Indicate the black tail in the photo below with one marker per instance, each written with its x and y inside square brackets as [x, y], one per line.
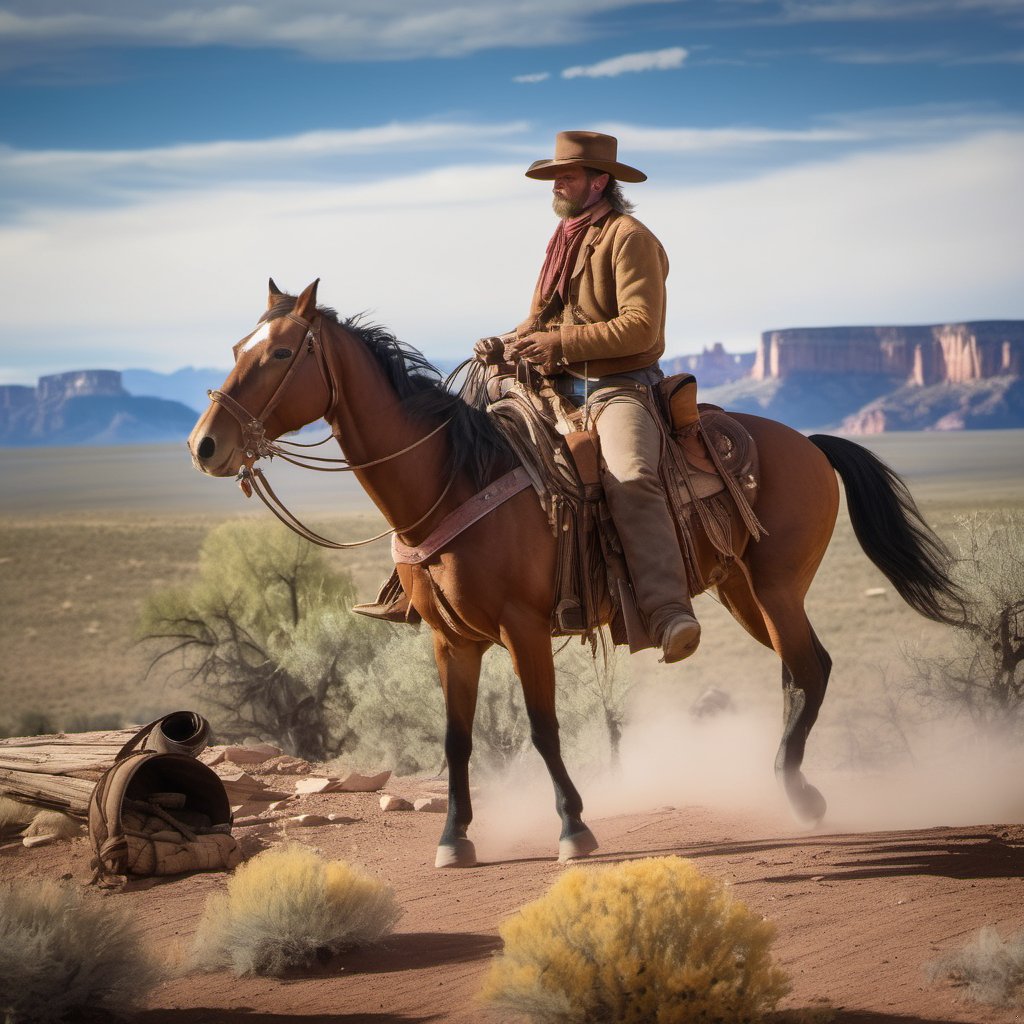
[893, 533]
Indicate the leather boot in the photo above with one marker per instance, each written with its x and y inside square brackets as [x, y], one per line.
[392, 604]
[630, 447]
[680, 638]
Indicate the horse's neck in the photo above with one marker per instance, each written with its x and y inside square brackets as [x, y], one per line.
[371, 423]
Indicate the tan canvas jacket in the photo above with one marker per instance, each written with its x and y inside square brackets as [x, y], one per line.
[614, 319]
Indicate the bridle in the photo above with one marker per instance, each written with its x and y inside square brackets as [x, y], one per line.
[257, 445]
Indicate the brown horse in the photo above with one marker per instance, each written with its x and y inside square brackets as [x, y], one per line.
[420, 451]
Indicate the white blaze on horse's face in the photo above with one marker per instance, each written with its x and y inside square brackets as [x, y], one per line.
[259, 335]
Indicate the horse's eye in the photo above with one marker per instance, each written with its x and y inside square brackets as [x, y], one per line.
[282, 353]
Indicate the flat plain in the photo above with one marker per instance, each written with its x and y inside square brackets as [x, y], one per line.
[913, 857]
[89, 533]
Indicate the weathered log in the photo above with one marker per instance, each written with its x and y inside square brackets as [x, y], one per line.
[59, 792]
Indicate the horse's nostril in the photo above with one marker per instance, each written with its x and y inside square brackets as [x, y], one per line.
[206, 447]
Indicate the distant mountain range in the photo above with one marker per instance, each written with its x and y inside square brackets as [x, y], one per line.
[187, 385]
[853, 380]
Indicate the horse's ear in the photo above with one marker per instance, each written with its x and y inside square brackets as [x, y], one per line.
[274, 293]
[305, 304]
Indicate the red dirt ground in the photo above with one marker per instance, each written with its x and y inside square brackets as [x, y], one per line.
[858, 916]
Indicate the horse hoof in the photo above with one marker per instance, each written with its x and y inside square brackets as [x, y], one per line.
[809, 806]
[460, 854]
[580, 845]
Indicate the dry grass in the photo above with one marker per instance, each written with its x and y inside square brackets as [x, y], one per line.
[14, 816]
[54, 823]
[642, 941]
[990, 969]
[61, 958]
[80, 553]
[287, 908]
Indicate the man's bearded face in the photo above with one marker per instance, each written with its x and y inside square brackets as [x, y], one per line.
[574, 191]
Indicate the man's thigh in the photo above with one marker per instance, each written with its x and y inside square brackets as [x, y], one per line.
[630, 438]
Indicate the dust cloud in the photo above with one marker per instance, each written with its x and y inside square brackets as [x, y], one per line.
[723, 761]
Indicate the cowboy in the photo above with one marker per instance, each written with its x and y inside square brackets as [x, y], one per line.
[595, 332]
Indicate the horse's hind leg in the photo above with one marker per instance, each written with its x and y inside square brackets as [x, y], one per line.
[778, 620]
[806, 666]
[458, 665]
[534, 664]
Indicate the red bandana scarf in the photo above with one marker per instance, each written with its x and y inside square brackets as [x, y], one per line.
[564, 248]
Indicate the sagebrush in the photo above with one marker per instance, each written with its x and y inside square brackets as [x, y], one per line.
[62, 958]
[649, 940]
[288, 907]
[990, 969]
[978, 673]
[267, 635]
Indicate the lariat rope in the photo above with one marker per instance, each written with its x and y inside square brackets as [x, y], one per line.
[258, 446]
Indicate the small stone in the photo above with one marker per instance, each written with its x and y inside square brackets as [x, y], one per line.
[354, 782]
[43, 840]
[256, 754]
[433, 804]
[307, 820]
[315, 784]
[390, 802]
[286, 765]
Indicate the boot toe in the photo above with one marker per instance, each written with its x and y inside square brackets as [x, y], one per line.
[680, 639]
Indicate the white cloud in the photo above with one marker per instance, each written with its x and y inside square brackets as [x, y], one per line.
[917, 233]
[327, 29]
[922, 234]
[652, 60]
[897, 125]
[381, 139]
[539, 76]
[888, 10]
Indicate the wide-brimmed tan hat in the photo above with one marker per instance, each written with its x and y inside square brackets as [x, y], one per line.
[591, 149]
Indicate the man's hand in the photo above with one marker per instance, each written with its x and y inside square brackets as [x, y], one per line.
[544, 350]
[490, 350]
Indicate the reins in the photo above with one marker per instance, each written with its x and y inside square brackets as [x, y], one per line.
[256, 446]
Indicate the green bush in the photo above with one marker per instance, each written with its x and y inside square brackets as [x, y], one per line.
[267, 633]
[288, 907]
[645, 942]
[61, 958]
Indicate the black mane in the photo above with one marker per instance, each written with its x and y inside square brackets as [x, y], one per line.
[478, 447]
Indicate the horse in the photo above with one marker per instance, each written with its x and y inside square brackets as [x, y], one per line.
[421, 451]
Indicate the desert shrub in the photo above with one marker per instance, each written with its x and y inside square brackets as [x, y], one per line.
[33, 723]
[980, 674]
[61, 958]
[989, 968]
[95, 721]
[649, 940]
[14, 815]
[594, 687]
[398, 713]
[267, 634]
[288, 907]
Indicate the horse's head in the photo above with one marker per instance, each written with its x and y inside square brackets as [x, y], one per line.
[279, 383]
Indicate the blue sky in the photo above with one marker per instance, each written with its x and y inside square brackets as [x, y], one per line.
[810, 162]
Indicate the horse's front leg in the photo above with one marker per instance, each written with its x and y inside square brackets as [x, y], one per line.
[458, 665]
[530, 650]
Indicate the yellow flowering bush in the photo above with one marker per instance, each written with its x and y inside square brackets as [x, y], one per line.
[645, 942]
[288, 907]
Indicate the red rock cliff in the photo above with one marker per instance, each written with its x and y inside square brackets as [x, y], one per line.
[921, 355]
